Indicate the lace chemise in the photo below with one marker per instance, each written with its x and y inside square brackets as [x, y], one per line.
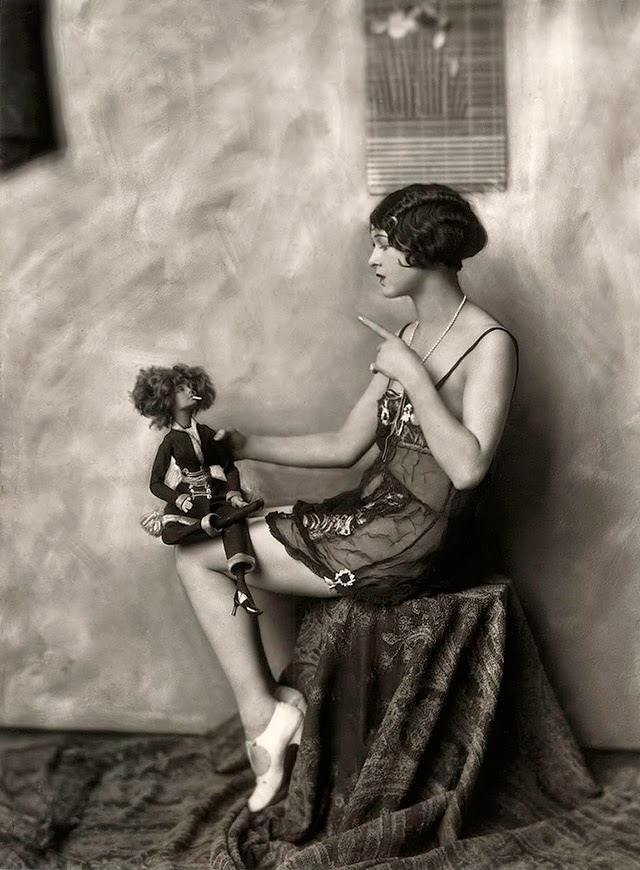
[384, 541]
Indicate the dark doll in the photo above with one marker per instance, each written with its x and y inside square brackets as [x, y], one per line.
[193, 472]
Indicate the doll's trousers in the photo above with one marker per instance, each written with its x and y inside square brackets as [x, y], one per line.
[235, 538]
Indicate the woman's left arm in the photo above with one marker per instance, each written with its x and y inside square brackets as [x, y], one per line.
[463, 448]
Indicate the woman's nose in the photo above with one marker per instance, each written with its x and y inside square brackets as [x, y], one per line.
[373, 259]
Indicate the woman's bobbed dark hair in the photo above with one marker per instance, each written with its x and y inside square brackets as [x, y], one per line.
[431, 224]
[155, 388]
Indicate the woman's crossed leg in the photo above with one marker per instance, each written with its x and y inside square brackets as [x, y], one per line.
[236, 640]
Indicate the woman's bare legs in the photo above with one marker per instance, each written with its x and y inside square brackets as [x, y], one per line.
[235, 639]
[278, 627]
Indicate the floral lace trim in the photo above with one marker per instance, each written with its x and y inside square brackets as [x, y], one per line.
[331, 524]
[406, 427]
[380, 502]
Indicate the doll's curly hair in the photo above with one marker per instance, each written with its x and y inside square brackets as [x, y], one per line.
[155, 388]
[430, 223]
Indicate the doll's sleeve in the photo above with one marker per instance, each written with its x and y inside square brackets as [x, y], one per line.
[160, 466]
[233, 480]
[224, 457]
[233, 475]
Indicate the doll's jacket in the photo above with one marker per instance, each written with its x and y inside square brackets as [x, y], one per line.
[178, 444]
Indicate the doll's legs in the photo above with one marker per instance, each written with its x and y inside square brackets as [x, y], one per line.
[185, 531]
[236, 542]
[240, 561]
[181, 528]
[188, 530]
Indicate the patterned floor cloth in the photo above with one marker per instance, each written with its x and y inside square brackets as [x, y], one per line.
[432, 740]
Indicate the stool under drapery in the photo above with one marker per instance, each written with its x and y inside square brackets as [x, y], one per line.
[432, 740]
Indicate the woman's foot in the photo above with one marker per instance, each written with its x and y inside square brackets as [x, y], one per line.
[267, 754]
[294, 697]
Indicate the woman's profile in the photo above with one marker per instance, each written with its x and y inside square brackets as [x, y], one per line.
[435, 408]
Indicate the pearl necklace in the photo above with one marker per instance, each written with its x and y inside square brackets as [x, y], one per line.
[396, 426]
[446, 330]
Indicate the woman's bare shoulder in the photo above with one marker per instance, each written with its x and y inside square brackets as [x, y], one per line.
[482, 324]
[495, 347]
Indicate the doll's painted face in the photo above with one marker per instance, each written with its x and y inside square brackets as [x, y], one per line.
[396, 277]
[185, 399]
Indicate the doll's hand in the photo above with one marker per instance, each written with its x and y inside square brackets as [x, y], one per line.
[237, 501]
[234, 440]
[184, 502]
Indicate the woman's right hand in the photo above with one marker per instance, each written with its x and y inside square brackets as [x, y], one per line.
[234, 440]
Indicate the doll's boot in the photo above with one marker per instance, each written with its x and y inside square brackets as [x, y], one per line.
[267, 756]
[242, 597]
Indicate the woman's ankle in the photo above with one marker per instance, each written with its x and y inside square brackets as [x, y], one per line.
[257, 715]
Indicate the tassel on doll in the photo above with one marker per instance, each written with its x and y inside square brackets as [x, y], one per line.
[193, 473]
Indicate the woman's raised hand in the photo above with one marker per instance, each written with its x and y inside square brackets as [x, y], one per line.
[234, 440]
[394, 358]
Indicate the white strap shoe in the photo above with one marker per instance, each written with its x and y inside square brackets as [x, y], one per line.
[267, 755]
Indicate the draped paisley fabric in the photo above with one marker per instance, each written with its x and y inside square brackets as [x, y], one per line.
[433, 741]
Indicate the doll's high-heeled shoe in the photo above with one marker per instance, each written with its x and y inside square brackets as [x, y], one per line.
[267, 755]
[241, 599]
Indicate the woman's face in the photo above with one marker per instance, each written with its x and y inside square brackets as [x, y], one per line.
[395, 276]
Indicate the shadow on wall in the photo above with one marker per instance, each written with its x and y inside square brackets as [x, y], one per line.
[522, 471]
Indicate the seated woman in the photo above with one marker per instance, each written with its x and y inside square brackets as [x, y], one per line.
[435, 408]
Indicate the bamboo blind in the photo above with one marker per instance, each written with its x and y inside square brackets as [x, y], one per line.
[435, 96]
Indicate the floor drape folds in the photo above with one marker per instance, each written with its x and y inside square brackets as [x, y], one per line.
[432, 740]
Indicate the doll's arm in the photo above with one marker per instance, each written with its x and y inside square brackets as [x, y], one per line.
[233, 481]
[218, 453]
[160, 466]
[234, 488]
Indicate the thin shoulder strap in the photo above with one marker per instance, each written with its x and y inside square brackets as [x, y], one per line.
[473, 347]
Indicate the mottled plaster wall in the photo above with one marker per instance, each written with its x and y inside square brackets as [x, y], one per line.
[211, 208]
